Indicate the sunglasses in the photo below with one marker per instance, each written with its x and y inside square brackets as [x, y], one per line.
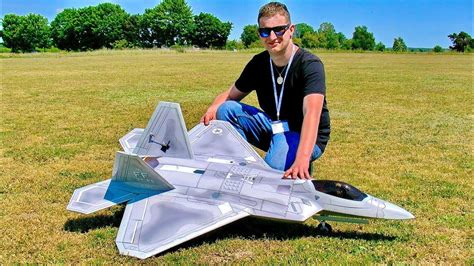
[278, 30]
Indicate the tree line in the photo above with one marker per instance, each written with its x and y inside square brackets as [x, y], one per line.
[107, 25]
[326, 37]
[172, 23]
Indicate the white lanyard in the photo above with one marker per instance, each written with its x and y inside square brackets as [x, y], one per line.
[278, 100]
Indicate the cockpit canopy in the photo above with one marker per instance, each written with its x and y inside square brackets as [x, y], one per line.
[339, 189]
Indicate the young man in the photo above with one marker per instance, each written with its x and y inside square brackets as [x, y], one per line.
[294, 125]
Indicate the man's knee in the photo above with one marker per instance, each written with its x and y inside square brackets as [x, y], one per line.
[227, 109]
[275, 162]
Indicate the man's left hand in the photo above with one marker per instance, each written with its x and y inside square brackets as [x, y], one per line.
[299, 169]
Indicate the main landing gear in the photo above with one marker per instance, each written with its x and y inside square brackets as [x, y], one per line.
[324, 227]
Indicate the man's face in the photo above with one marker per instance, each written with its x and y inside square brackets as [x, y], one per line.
[273, 43]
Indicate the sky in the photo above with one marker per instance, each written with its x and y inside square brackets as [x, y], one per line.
[421, 23]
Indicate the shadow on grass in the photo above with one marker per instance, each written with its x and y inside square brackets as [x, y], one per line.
[247, 228]
[85, 224]
[257, 228]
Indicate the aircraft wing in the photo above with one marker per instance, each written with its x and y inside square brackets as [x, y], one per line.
[153, 224]
[220, 142]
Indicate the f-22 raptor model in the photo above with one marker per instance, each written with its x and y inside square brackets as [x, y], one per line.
[180, 185]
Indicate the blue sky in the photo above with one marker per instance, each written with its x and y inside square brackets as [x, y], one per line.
[421, 23]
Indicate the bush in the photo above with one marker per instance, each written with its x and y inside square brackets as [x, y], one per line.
[234, 45]
[5, 50]
[49, 50]
[437, 49]
[256, 44]
[298, 41]
[380, 47]
[121, 44]
[178, 48]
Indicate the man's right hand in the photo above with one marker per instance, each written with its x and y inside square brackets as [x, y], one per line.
[209, 115]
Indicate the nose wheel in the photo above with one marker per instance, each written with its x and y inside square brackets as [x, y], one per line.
[324, 227]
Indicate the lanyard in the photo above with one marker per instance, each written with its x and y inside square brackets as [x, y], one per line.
[278, 100]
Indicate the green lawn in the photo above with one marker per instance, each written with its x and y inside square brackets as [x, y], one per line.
[402, 131]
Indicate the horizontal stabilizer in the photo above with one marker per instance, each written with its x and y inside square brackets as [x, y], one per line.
[130, 140]
[98, 196]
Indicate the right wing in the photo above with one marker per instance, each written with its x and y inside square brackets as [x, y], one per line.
[154, 224]
[220, 142]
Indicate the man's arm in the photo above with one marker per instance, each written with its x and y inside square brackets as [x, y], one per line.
[231, 94]
[312, 108]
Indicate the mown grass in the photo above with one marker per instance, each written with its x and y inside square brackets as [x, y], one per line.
[402, 130]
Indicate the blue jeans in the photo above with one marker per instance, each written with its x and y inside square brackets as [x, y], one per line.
[255, 126]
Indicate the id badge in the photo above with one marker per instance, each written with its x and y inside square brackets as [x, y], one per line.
[279, 127]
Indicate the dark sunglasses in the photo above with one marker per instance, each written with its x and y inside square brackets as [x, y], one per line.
[278, 30]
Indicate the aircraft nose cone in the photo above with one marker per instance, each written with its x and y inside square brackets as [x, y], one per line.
[392, 211]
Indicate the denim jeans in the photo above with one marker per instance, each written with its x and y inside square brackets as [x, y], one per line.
[255, 126]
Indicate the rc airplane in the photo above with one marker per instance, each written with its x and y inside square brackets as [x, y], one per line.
[180, 185]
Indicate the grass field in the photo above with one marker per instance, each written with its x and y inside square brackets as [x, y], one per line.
[402, 131]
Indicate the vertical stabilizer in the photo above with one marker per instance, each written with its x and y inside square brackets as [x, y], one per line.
[132, 170]
[165, 134]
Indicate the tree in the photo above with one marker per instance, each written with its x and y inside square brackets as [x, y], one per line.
[347, 44]
[249, 35]
[363, 39]
[131, 30]
[64, 30]
[209, 31]
[399, 45]
[25, 33]
[437, 49]
[380, 47]
[311, 40]
[169, 23]
[461, 41]
[301, 29]
[341, 39]
[88, 28]
[109, 21]
[328, 37]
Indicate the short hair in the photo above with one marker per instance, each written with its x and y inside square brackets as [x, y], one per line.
[272, 9]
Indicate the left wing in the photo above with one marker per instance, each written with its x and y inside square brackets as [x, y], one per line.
[220, 142]
[154, 224]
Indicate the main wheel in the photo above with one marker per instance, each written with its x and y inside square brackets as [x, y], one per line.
[324, 227]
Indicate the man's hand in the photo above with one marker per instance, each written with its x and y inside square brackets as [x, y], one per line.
[231, 94]
[209, 115]
[312, 106]
[299, 169]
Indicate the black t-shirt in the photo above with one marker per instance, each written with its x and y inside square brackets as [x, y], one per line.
[305, 76]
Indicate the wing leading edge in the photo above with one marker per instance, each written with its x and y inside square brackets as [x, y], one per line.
[154, 224]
